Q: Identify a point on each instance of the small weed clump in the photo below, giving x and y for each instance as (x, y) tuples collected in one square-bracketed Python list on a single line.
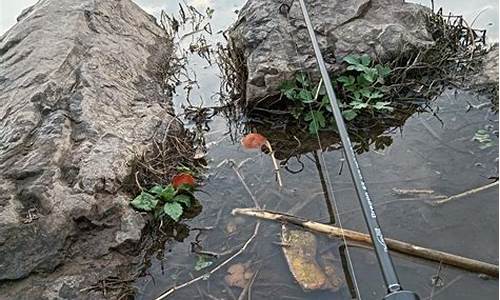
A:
[(167, 201), (360, 87)]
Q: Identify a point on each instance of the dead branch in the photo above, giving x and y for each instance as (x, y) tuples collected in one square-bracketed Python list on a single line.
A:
[(395, 245), (218, 267), (466, 193)]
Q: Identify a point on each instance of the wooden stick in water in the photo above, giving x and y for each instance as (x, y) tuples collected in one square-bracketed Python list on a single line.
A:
[(275, 163), (395, 245)]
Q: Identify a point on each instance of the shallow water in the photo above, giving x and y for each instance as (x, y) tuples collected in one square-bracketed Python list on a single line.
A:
[(425, 155)]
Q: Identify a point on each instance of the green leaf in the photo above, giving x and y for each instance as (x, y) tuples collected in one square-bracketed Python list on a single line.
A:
[(376, 95), (383, 106), (306, 96), (485, 145), (362, 81), (156, 190), (347, 80), (322, 90), (183, 199), (173, 210), (383, 71), (358, 105), (144, 201), (365, 60), (288, 88), (297, 112), (168, 193), (313, 127), (302, 79), (202, 262), (358, 67), (291, 94), (370, 74), (320, 118), (185, 188), (357, 96), (183, 169), (316, 121), (287, 85), (325, 102), (365, 92), (349, 114), (352, 59)]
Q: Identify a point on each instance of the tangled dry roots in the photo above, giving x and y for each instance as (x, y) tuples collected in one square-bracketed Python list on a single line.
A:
[(420, 76), (170, 150), (232, 64)]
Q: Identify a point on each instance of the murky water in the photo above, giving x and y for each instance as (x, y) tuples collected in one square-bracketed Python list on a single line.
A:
[(426, 155)]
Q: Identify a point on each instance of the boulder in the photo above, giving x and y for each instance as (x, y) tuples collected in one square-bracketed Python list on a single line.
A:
[(80, 91), (485, 78), (275, 44)]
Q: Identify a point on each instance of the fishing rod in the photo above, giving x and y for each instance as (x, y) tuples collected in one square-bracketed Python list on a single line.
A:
[(394, 289)]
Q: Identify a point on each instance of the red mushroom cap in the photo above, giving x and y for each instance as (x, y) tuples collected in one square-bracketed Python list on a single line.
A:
[(253, 141), (183, 178)]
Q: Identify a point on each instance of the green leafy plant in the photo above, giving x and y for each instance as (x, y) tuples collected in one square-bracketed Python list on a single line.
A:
[(306, 106), (360, 88), (202, 262), (165, 200), (483, 138), (362, 85)]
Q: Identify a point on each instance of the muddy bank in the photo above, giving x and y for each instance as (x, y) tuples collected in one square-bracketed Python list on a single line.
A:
[(81, 92)]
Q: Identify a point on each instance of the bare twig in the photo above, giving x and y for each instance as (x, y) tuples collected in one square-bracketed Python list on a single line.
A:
[(245, 185), (218, 267), (466, 193), (248, 288), (395, 245), (275, 163)]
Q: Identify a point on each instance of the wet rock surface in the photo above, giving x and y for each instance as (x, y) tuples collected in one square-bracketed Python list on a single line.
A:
[(276, 44), (78, 96), (485, 78)]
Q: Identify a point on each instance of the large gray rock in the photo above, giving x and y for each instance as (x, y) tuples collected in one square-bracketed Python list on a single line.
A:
[(487, 74), (276, 46), (78, 94)]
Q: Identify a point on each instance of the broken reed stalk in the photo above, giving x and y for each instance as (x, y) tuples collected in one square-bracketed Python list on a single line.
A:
[(395, 245), (467, 193), (275, 163)]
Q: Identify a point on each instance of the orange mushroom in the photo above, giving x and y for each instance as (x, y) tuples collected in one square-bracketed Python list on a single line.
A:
[(183, 178), (258, 141), (254, 141)]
